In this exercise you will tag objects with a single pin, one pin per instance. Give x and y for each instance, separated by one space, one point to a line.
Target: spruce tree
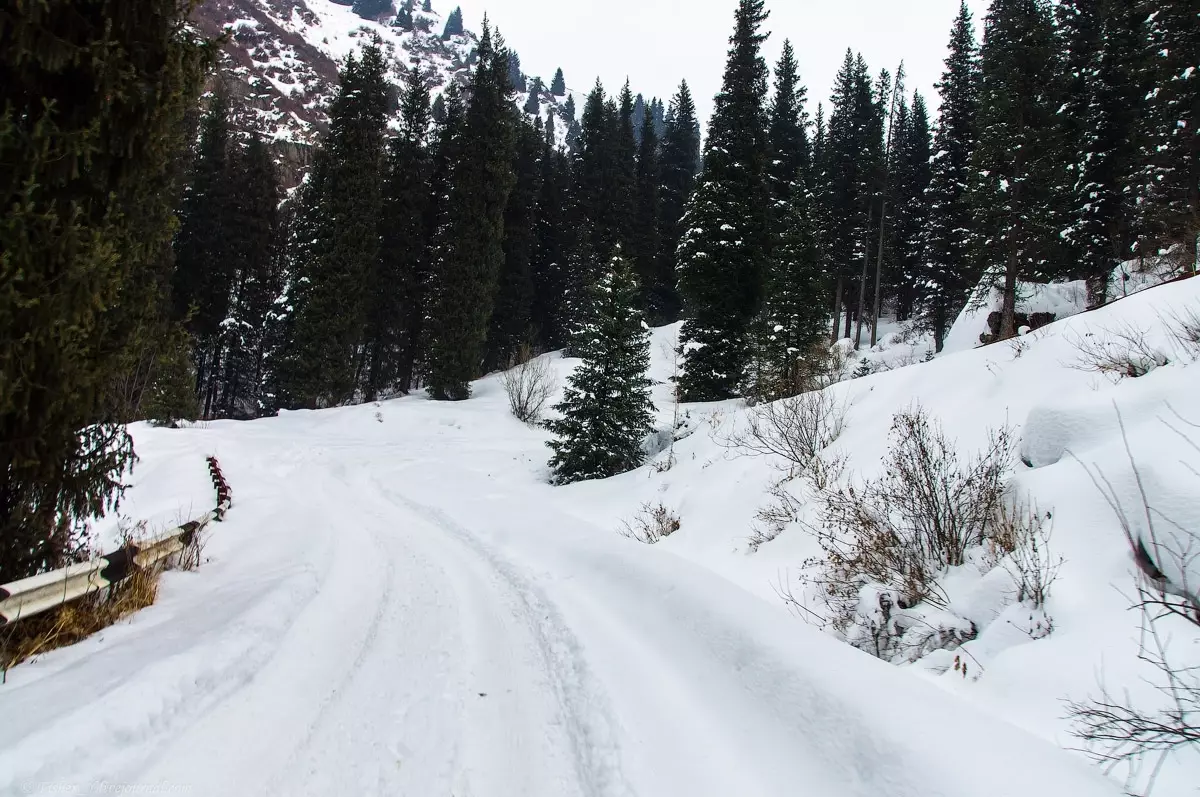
397 290
511 324
533 103
1102 116
790 330
470 248
949 272
371 9
679 164
1169 178
558 86
791 154
336 243
853 169
257 247
722 257
454 25
554 243
626 174
205 251
606 410
1017 166
92 103
912 174
645 243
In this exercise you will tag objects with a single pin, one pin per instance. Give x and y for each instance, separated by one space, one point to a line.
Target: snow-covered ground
399 604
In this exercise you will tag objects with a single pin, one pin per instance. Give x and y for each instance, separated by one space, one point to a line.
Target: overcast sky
656 43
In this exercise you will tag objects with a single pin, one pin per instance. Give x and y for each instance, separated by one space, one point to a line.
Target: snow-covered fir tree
606 410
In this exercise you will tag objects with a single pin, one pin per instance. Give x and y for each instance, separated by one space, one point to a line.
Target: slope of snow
399 603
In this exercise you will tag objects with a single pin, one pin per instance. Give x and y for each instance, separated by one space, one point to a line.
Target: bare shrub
1123 352
529 384
1114 730
651 524
793 429
1022 535
1184 328
923 515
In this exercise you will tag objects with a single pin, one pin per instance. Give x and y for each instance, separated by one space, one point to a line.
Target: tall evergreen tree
257 247
1102 117
512 316
853 170
533 104
337 240
790 330
205 249
645 243
723 255
470 250
454 24
680 162
1017 167
949 273
1169 180
558 86
791 151
554 244
912 174
626 174
606 410
92 102
396 301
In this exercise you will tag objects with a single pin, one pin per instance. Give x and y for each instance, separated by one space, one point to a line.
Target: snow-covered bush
886 542
651 524
1121 352
529 384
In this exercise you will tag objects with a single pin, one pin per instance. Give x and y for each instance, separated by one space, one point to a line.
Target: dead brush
651 524
1119 353
78 620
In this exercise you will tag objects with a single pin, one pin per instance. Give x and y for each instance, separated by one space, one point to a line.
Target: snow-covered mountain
280 64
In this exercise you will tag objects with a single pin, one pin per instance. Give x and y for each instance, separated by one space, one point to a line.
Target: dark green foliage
336 243
427 6
791 153
511 325
558 86
679 164
722 257
454 25
1102 117
396 302
257 282
910 179
604 174
791 327
1018 177
404 17
949 273
554 243
470 251
516 78
170 396
568 107
853 176
533 103
372 9
606 410
645 244
626 169
1168 182
92 101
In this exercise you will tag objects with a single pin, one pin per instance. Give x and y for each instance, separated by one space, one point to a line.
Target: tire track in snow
581 700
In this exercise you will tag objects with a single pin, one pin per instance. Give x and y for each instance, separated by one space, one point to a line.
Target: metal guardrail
36 594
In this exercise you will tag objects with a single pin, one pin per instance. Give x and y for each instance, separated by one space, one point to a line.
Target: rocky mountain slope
280 64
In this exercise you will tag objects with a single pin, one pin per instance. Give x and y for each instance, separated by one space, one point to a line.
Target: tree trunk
862 282
837 309
878 276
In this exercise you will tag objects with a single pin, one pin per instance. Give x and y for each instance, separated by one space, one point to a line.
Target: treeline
1066 144
426 255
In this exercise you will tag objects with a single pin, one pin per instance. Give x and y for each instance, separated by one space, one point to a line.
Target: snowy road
397 606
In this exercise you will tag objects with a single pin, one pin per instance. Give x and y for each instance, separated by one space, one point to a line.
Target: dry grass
651 524
529 384
1121 352
78 620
